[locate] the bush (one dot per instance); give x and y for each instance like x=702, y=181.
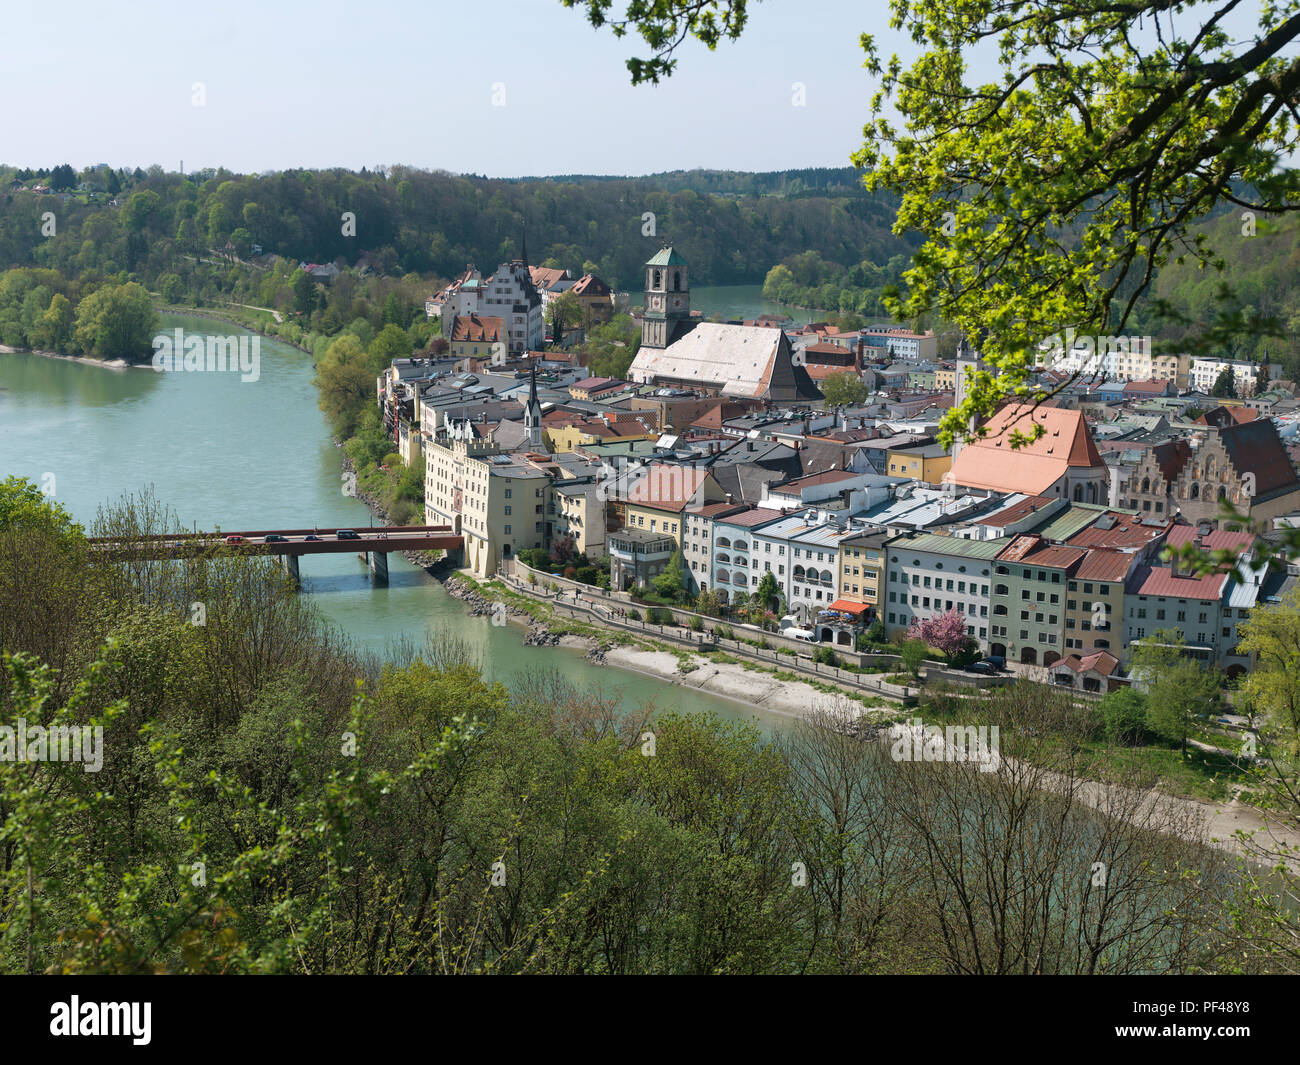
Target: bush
x=696, y=624
x=825, y=656
x=914, y=653
x=1123, y=714
x=634, y=614
x=587, y=574
x=535, y=558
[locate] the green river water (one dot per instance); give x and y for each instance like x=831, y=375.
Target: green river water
x=257, y=455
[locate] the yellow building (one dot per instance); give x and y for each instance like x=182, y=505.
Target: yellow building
x=862, y=565
x=945, y=377
x=474, y=334
x=661, y=499
x=608, y=430
x=579, y=512
x=927, y=463
x=497, y=501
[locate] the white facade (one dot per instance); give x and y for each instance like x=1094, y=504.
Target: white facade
x=1245, y=375
x=923, y=583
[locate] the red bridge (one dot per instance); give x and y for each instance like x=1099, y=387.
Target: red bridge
x=290, y=544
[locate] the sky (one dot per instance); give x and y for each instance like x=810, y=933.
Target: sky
x=504, y=88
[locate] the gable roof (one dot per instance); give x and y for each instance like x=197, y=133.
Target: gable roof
x=1032, y=469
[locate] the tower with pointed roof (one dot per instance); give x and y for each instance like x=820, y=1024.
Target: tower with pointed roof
x=667, y=298
x=533, y=410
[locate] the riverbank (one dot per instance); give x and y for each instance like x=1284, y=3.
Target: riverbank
x=85, y=360
x=215, y=316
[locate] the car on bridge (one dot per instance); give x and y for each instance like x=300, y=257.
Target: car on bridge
x=235, y=538
x=275, y=538
x=311, y=536
x=347, y=534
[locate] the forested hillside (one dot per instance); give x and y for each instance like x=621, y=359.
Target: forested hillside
x=417, y=221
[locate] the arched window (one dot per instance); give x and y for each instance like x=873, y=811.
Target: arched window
x=723, y=559
x=740, y=545
x=1146, y=484
x=723, y=577
x=798, y=572
x=1195, y=493
x=724, y=541
x=1078, y=493
x=677, y=280
x=657, y=280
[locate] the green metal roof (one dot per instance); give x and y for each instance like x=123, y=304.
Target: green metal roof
x=1074, y=518
x=666, y=257
x=951, y=545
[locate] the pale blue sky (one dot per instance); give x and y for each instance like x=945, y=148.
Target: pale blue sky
x=340, y=83
x=328, y=83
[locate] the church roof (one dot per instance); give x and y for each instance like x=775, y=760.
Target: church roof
x=742, y=361
x=666, y=257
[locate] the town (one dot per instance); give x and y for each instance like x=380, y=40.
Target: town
x=720, y=455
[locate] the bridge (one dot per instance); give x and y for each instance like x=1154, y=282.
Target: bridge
x=289, y=544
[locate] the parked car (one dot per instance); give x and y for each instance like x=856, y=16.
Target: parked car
x=348, y=534
x=988, y=669
x=996, y=661
x=235, y=538
x=275, y=538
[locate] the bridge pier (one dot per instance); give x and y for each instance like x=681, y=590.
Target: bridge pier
x=379, y=565
x=289, y=563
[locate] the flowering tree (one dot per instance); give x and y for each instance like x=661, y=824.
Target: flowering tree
x=946, y=632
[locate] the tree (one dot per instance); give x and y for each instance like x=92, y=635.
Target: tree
x=1123, y=714
x=390, y=343
x=117, y=322
x=304, y=291
x=1271, y=637
x=944, y=632
x=58, y=323
x=913, y=653
x=563, y=311
x=1224, y=385
x=768, y=591
x=1178, y=690
x=62, y=178
x=671, y=582
x=346, y=384
x=844, y=389
x=1130, y=123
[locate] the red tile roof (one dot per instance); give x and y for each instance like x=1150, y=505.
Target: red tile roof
x=1214, y=540
x=1159, y=580
x=1097, y=662
x=1101, y=564
x=482, y=330
x=991, y=462
x=1113, y=529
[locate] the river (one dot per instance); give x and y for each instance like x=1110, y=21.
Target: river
x=255, y=455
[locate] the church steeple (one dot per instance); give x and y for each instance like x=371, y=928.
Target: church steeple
x=667, y=298
x=533, y=409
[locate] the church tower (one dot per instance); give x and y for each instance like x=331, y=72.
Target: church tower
x=533, y=411
x=969, y=363
x=667, y=298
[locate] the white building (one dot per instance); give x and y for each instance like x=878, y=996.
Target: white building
x=927, y=574
x=1245, y=375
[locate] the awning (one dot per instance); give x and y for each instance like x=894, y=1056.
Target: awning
x=849, y=607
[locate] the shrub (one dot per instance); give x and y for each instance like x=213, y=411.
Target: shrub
x=634, y=614
x=696, y=624
x=913, y=653
x=1123, y=714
